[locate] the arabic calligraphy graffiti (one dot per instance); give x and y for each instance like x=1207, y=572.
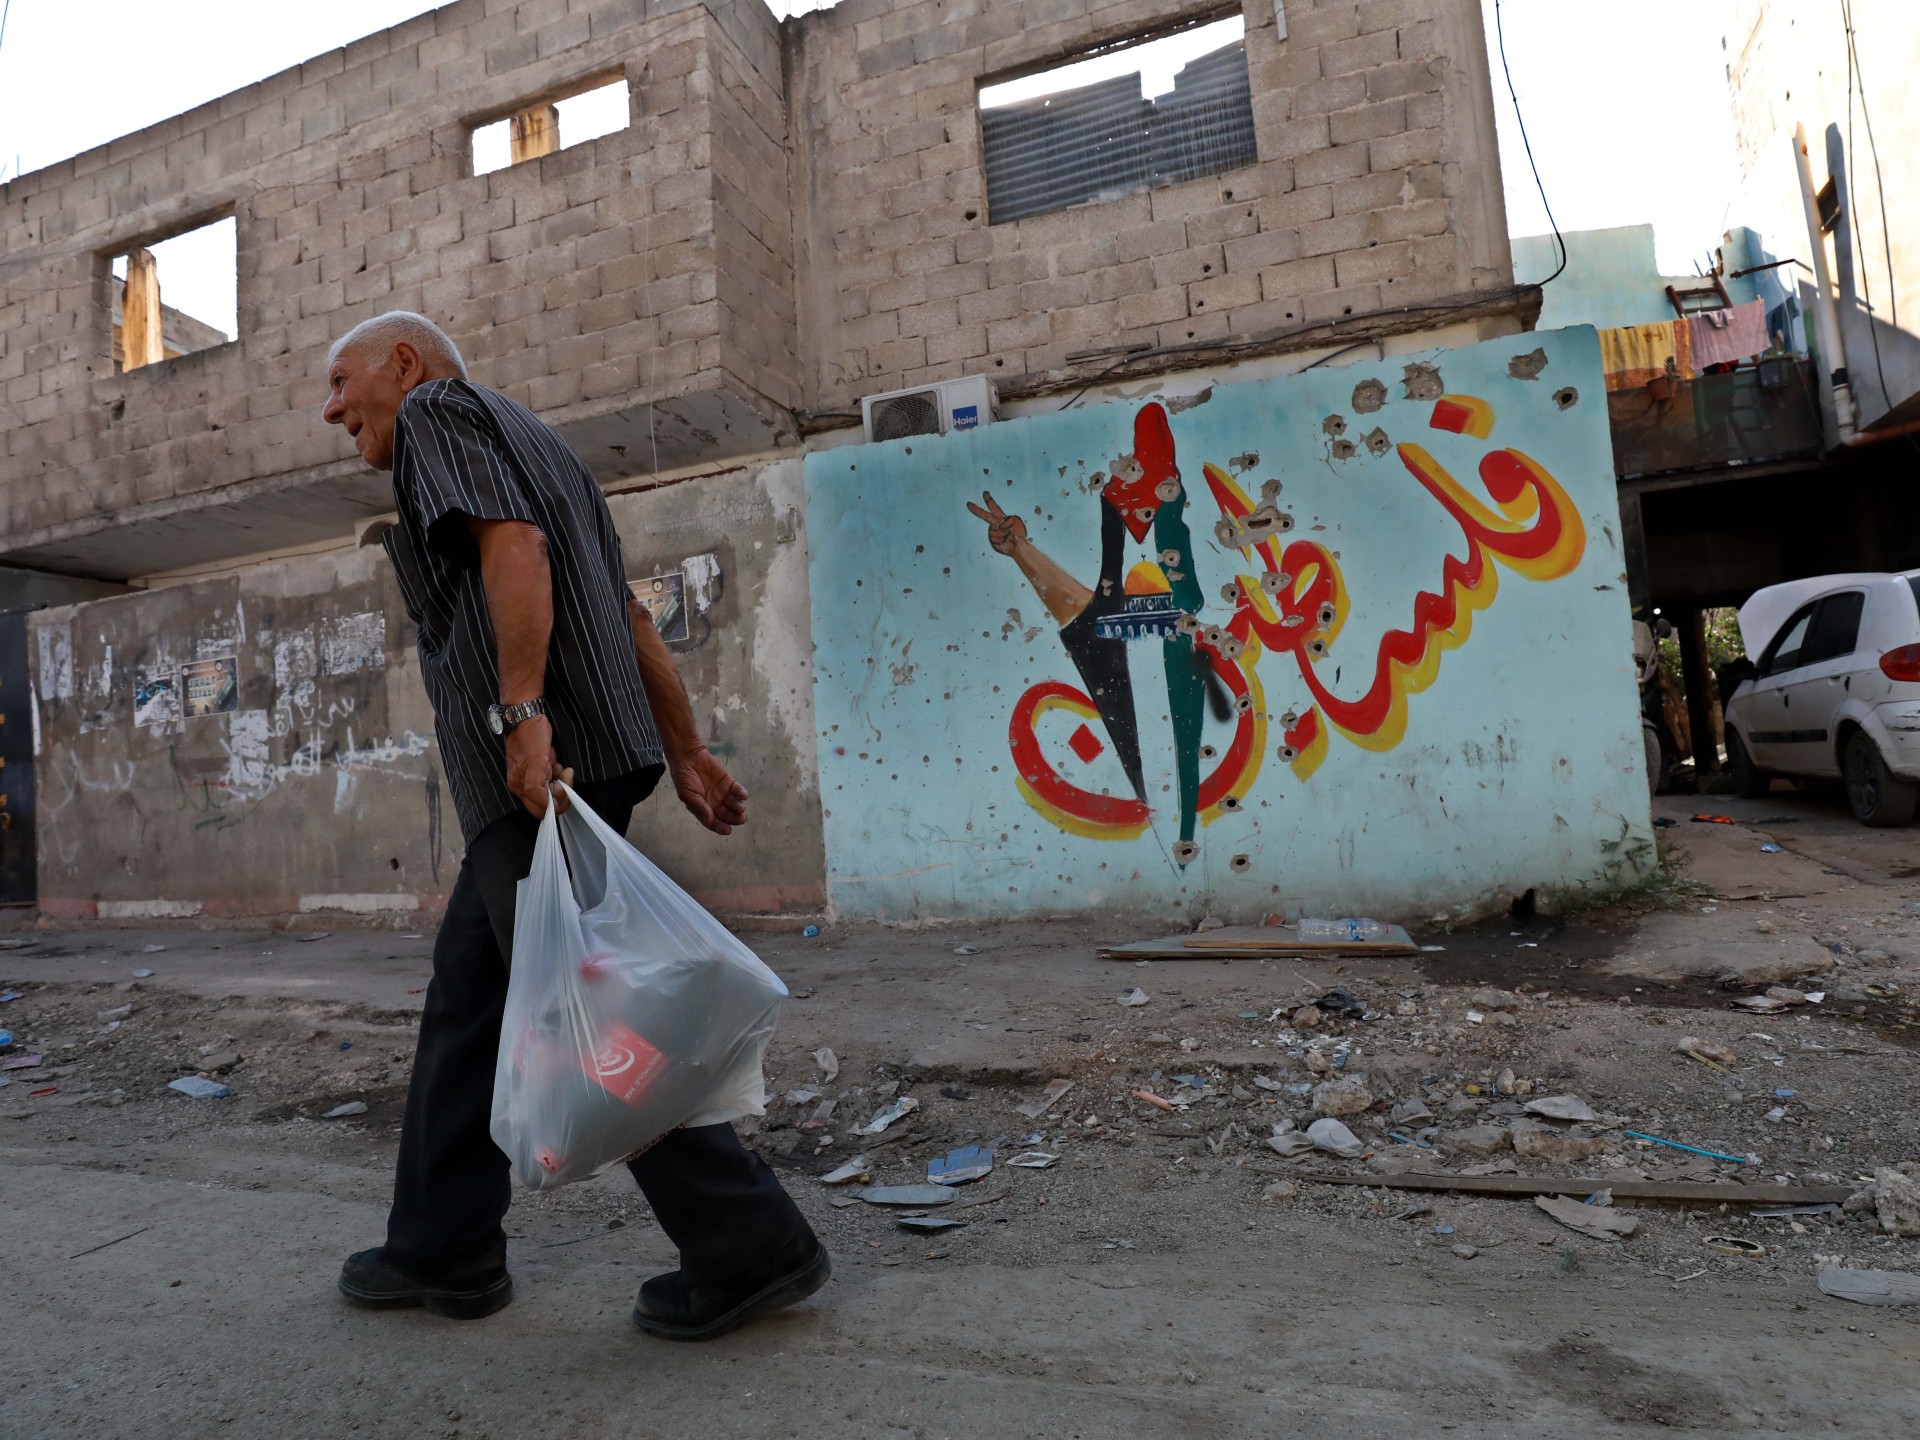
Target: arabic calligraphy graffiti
x=1296, y=606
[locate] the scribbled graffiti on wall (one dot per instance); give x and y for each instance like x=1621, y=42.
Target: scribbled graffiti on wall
x=1275, y=615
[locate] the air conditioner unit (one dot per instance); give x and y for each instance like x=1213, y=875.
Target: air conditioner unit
x=936, y=409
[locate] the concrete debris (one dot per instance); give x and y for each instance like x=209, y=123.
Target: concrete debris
x=1562, y=1107
x=1280, y=1190
x=1491, y=999
x=1034, y=1109
x=221, y=1063
x=1896, y=1201
x=1601, y=1222
x=1870, y=1287
x=1545, y=1142
x=1465, y=1252
x=1411, y=1113
x=119, y=1012
x=1478, y=1139
x=1349, y=1096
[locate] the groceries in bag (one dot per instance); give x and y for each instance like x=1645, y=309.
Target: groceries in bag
x=630, y=1011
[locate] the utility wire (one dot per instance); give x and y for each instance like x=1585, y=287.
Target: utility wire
x=1500, y=33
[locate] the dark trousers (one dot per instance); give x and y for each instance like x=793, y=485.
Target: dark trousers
x=716, y=1200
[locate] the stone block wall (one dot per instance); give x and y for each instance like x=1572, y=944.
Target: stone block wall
x=580, y=283
x=1377, y=186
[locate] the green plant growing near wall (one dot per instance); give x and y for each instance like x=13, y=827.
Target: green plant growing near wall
x=1723, y=644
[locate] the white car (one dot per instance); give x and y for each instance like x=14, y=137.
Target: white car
x=1835, y=692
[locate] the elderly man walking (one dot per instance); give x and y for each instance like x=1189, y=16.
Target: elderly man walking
x=535, y=657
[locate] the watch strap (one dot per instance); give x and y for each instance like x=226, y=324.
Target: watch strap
x=512, y=715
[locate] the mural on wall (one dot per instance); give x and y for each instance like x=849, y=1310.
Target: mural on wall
x=1279, y=657
x=1294, y=607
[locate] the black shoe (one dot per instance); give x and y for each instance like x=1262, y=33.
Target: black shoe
x=672, y=1308
x=370, y=1279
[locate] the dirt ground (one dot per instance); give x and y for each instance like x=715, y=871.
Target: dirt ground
x=171, y=1261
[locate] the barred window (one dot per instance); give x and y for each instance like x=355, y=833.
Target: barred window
x=1134, y=117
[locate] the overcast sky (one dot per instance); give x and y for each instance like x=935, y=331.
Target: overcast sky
x=1626, y=101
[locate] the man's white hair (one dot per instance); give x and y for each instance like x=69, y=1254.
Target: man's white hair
x=383, y=332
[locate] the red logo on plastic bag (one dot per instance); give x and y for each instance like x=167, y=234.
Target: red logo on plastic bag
x=625, y=1064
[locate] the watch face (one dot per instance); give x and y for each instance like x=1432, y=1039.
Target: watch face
x=494, y=721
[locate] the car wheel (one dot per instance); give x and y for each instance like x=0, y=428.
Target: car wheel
x=1878, y=796
x=1748, y=783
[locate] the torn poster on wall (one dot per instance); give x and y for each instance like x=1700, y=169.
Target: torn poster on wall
x=56, y=661
x=156, y=699
x=1240, y=582
x=665, y=597
x=210, y=687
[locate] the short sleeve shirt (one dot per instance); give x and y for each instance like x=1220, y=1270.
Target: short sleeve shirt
x=460, y=450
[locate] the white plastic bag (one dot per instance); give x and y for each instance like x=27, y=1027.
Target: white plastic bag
x=630, y=1011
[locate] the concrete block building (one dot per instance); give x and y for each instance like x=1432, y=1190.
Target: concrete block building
x=795, y=215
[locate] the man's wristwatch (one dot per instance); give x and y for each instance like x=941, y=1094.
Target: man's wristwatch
x=502, y=718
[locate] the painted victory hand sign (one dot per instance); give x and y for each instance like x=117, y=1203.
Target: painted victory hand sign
x=1296, y=605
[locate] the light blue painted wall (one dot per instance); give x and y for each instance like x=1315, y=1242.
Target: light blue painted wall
x=1611, y=280
x=1520, y=766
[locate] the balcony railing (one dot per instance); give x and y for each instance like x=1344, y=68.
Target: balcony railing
x=1751, y=415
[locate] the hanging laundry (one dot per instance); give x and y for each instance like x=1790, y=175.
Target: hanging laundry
x=1635, y=354
x=1721, y=336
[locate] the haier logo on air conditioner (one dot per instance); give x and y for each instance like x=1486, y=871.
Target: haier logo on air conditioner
x=963, y=404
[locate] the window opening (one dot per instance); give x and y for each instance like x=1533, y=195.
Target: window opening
x=176, y=296
x=1147, y=114
x=1836, y=627
x=1784, y=653
x=551, y=125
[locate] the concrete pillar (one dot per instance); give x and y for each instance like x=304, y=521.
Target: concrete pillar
x=533, y=133
x=140, y=338
x=1633, y=541
x=1692, y=635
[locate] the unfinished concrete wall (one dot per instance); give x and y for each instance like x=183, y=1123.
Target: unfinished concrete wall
x=1377, y=186
x=1353, y=641
x=318, y=786
x=738, y=542
x=314, y=784
x=586, y=283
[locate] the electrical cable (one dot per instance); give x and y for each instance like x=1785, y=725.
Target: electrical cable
x=1500, y=33
x=1228, y=349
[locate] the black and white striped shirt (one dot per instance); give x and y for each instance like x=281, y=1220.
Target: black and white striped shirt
x=461, y=450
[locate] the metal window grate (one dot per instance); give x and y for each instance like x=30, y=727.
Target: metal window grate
x=1102, y=141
